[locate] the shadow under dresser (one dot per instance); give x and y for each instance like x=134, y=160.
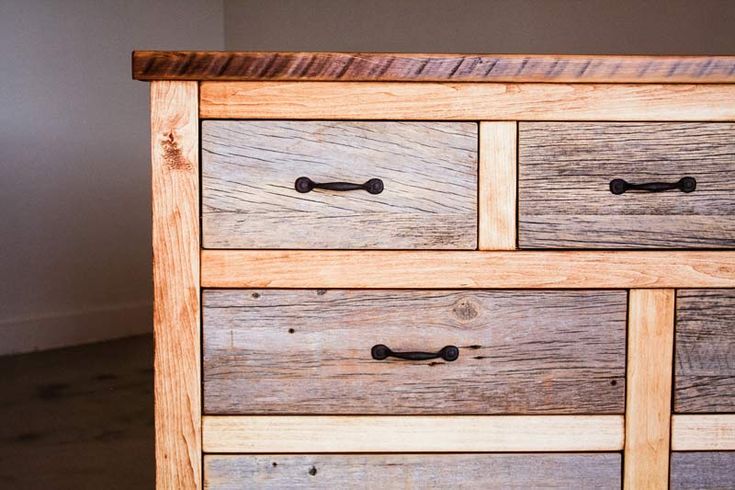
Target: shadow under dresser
x=422, y=271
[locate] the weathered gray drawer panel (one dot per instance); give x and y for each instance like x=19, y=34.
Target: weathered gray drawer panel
x=703, y=470
x=566, y=169
x=487, y=471
x=309, y=351
x=429, y=171
x=705, y=351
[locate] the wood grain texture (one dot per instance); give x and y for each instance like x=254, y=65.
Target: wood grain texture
x=466, y=101
x=429, y=171
x=497, y=193
x=703, y=432
x=400, y=471
x=443, y=433
x=308, y=351
x=705, y=351
x=703, y=471
x=498, y=270
x=566, y=168
x=175, y=160
x=648, y=401
x=321, y=66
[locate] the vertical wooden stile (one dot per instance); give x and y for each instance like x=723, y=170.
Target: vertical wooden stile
x=497, y=185
x=175, y=169
x=648, y=406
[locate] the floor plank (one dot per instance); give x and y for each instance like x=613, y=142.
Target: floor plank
x=78, y=418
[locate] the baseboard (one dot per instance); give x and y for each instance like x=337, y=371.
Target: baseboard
x=56, y=330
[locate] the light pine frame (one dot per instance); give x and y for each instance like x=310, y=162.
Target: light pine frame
x=467, y=101
x=497, y=184
x=648, y=398
x=176, y=107
x=176, y=316
x=412, y=433
x=701, y=432
x=476, y=269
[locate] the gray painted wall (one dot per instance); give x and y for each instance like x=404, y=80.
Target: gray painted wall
x=487, y=26
x=74, y=163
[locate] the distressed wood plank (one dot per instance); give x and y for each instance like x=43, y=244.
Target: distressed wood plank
x=705, y=351
x=566, y=169
x=308, y=352
x=442, y=433
x=648, y=409
x=703, y=432
x=324, y=66
x=466, y=101
x=500, y=270
x=175, y=161
x=498, y=173
x=429, y=171
x=703, y=471
x=488, y=471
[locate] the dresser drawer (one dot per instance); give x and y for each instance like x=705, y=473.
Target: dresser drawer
x=311, y=352
x=427, y=192
x=703, y=470
x=501, y=471
x=565, y=195
x=704, y=378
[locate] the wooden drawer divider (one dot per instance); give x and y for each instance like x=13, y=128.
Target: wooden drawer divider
x=411, y=433
x=648, y=404
x=703, y=432
x=484, y=269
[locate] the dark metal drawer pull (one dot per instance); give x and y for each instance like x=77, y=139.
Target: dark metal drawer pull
x=305, y=184
x=448, y=353
x=685, y=184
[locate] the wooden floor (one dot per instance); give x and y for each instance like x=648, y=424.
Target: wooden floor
x=78, y=418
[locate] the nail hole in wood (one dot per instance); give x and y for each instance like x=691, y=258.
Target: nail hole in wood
x=312, y=471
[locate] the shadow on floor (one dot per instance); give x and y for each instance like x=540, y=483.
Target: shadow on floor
x=78, y=418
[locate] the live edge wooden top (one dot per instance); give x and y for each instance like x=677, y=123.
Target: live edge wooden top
x=406, y=67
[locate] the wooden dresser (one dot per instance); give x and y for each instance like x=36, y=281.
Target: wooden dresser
x=433, y=271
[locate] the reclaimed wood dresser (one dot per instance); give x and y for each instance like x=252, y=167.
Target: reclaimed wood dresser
x=424, y=271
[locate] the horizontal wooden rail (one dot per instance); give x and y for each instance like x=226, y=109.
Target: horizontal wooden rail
x=703, y=432
x=327, y=434
x=467, y=101
x=438, y=269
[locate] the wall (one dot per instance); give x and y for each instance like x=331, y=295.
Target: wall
x=75, y=256
x=486, y=26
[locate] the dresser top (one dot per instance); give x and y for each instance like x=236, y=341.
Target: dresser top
x=408, y=67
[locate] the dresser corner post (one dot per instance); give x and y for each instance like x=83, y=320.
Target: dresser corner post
x=648, y=405
x=176, y=283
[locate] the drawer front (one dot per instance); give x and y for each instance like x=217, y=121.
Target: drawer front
x=428, y=171
x=309, y=352
x=488, y=471
x=705, y=351
x=565, y=199
x=702, y=470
